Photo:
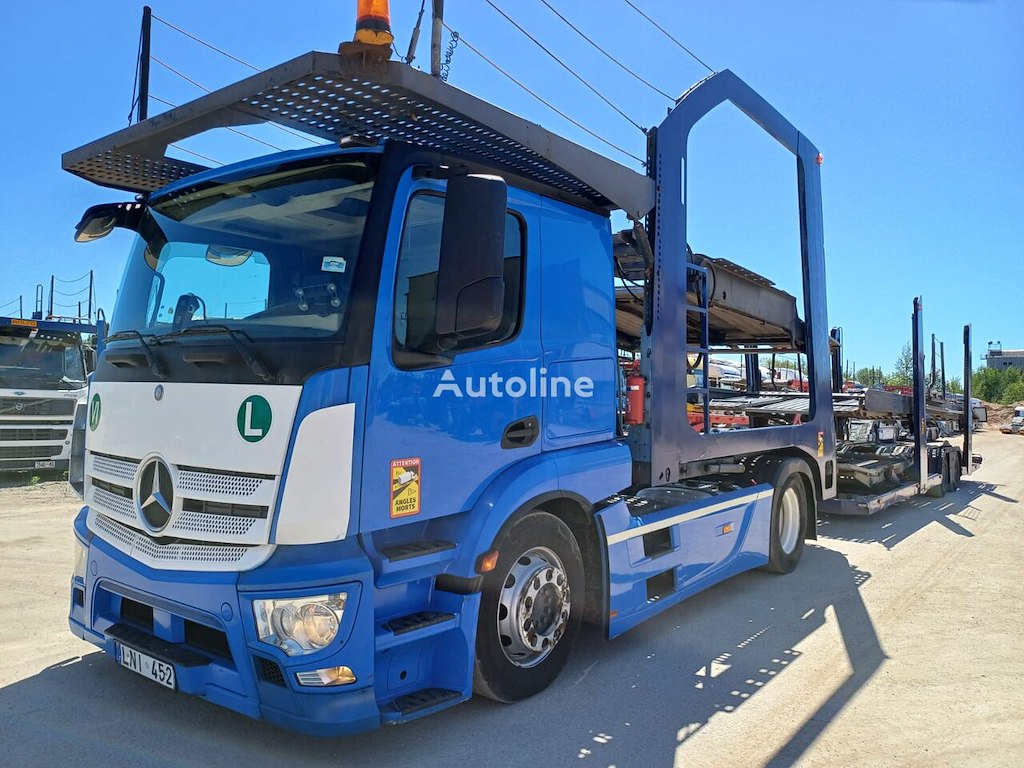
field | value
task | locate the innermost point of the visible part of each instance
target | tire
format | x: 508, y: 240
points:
x: 790, y: 515
x: 955, y: 471
x: 939, y: 491
x: 528, y: 618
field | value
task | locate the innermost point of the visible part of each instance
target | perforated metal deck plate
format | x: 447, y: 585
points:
x: 330, y: 96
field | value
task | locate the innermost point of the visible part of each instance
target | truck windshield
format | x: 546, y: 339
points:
x: 40, y: 364
x: 271, y: 255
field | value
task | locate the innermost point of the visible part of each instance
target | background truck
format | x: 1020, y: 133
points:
x: 43, y: 370
x: 354, y: 447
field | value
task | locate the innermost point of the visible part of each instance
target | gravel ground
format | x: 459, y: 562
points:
x: 896, y: 643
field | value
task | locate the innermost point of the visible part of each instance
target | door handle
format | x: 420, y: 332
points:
x: 520, y: 434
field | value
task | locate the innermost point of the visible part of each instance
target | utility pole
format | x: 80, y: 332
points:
x: 147, y: 28
x: 435, y: 38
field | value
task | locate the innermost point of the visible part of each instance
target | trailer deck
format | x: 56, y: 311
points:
x: 332, y: 96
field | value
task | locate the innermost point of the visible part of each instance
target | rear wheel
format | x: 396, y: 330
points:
x: 938, y: 490
x: 530, y: 610
x: 790, y: 514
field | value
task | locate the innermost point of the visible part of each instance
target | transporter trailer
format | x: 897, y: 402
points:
x: 886, y: 449
x: 354, y: 449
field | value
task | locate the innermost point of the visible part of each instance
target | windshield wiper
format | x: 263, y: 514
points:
x: 242, y: 347
x: 71, y: 383
x: 154, y: 365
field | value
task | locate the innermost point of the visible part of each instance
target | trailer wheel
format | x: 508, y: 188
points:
x: 530, y: 610
x: 790, y: 511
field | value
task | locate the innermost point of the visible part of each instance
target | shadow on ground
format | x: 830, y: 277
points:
x: 891, y: 527
x: 643, y: 694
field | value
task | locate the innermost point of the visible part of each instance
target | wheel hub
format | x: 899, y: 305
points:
x: 533, y: 607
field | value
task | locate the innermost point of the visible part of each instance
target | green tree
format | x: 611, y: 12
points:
x: 1013, y: 393
x: 955, y: 385
x: 870, y: 376
x: 998, y: 385
x: 903, y: 372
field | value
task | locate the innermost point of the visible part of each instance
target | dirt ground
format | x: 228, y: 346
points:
x: 999, y: 414
x: 897, y: 642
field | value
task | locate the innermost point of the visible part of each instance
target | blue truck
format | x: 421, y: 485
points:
x: 360, y: 442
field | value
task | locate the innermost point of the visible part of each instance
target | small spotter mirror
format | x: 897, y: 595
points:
x: 94, y: 228
x: 227, y: 257
x: 99, y: 220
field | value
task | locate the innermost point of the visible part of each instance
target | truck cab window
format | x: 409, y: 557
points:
x: 228, y: 291
x: 416, y: 285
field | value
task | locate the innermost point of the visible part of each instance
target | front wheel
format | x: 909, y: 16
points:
x: 790, y: 513
x: 530, y: 609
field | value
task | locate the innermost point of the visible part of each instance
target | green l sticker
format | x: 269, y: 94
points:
x: 254, y: 418
x: 94, y: 412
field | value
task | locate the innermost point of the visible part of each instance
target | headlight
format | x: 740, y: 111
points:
x: 78, y: 560
x: 300, y: 625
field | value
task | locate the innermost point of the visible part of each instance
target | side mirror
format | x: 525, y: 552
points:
x: 470, y: 277
x: 980, y: 413
x: 99, y: 220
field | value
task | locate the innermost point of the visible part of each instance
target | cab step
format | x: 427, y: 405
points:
x: 415, y: 549
x: 414, y: 628
x: 411, y: 560
x: 415, y: 621
x: 417, y: 701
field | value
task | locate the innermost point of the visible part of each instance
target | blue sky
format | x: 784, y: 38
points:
x: 917, y: 105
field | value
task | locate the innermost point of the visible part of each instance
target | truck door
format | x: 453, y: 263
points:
x: 437, y: 435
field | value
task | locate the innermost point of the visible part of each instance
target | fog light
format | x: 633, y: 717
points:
x: 326, y: 676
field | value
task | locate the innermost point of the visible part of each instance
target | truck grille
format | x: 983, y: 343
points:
x: 30, y: 451
x: 36, y: 407
x: 33, y: 434
x: 218, y: 516
x: 177, y: 554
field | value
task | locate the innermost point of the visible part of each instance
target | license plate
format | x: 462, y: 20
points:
x: 46, y: 464
x: 146, y: 666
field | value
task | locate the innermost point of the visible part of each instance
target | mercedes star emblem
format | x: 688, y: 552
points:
x: 158, y: 393
x: 155, y: 494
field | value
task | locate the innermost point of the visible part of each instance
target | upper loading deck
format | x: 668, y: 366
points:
x: 332, y: 96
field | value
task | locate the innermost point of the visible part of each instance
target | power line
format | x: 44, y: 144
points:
x: 542, y: 100
x: 193, y: 152
x: 135, y: 84
x: 221, y: 51
x: 208, y: 90
x: 211, y: 46
x: 566, y: 67
x: 228, y: 127
x: 77, y: 279
x: 73, y: 293
x: 669, y: 36
x: 182, y: 75
x: 579, y: 32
